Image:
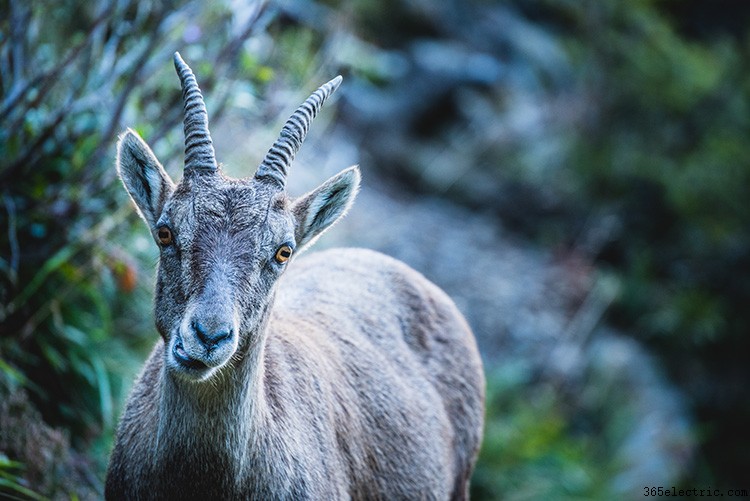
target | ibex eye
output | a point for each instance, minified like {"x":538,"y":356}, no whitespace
{"x":283,"y":254}
{"x":164,"y":235}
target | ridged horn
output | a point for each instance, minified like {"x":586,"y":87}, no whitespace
{"x":278,"y":159}
{"x":199,"y":149}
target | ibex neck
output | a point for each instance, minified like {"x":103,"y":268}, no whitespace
{"x":213,"y":421}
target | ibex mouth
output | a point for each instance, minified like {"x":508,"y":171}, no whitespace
{"x":185,"y":360}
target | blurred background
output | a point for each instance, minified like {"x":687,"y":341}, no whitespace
{"x":575,"y":174}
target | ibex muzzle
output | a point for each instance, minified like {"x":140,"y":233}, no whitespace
{"x":208,"y":335}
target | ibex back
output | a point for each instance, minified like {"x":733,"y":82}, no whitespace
{"x":343,"y":375}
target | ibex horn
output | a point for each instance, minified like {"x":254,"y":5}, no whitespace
{"x":274,"y":166}
{"x":199,"y":149}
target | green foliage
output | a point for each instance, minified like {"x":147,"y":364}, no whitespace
{"x":663,"y":148}
{"x":12,"y":482}
{"x":531,"y":449}
{"x":672,"y":162}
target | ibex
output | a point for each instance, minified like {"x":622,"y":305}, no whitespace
{"x":343,"y":375}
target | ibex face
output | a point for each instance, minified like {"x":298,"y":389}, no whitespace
{"x":223,"y":245}
{"x":223,"y":242}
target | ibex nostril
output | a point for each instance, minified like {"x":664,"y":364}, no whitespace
{"x":210,"y":336}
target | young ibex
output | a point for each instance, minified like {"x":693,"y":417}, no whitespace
{"x":342,"y":375}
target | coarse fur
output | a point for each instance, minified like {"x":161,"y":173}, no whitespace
{"x":341,"y":375}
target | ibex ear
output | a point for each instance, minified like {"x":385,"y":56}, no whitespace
{"x":316,"y":211}
{"x":145,"y":179}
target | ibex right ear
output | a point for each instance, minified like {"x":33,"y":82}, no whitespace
{"x":147,"y":182}
{"x":316,"y":211}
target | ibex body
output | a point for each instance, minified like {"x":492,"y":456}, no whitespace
{"x":347,"y":375}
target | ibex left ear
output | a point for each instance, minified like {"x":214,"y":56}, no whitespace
{"x":143,"y":176}
{"x":316,"y":211}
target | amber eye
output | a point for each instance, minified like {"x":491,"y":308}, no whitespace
{"x":164,"y":235}
{"x":283,"y":254}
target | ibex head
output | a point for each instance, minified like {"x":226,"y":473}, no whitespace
{"x":224,"y":242}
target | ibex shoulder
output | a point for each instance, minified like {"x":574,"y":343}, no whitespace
{"x":371,"y":293}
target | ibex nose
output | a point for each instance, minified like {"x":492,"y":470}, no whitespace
{"x":210,"y":334}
